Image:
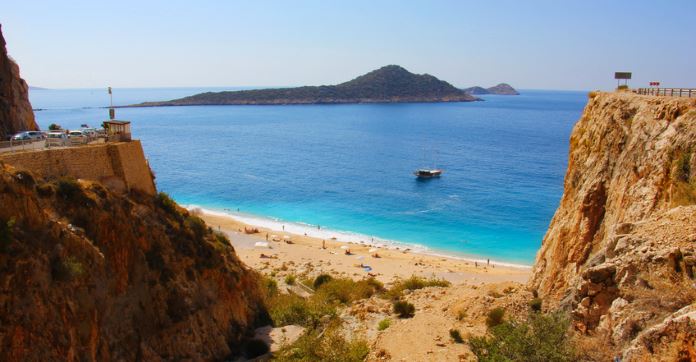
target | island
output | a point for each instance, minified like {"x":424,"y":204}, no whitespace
{"x":389,"y":84}
{"x":500,"y":89}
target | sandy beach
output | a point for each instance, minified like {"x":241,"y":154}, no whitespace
{"x":300,"y":254}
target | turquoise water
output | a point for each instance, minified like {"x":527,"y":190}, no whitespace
{"x":349,"y":167}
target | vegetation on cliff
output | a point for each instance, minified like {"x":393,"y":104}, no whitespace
{"x":620,"y":252}
{"x":88,"y":274}
{"x":389,"y":84}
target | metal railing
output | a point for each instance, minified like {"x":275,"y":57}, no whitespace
{"x":41,"y":144}
{"x":21,"y":145}
{"x":667,"y":92}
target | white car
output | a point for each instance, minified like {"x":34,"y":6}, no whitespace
{"x":77,"y":137}
{"x":58,"y":138}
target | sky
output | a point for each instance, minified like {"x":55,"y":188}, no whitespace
{"x":565,"y":45}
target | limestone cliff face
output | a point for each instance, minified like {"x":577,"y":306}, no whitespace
{"x":86,"y":274}
{"x":15,"y":110}
{"x":624,"y":235}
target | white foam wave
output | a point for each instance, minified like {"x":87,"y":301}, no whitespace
{"x":301,"y":228}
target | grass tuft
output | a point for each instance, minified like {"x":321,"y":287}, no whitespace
{"x":495,"y":317}
{"x":404,"y":309}
{"x":383,"y":324}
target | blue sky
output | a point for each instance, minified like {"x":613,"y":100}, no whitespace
{"x":529,"y":44}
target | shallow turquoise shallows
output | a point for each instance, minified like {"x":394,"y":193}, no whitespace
{"x":349,"y":168}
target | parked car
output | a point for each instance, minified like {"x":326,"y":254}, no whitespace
{"x":90,"y":132}
{"x":78,"y":137}
{"x":28,"y":135}
{"x":21,"y":136}
{"x":36,"y":135}
{"x":57,"y":138}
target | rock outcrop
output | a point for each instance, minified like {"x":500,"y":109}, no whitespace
{"x":620,"y":252}
{"x":500,"y":89}
{"x":503,"y":89}
{"x":15,"y":110}
{"x":86,"y":274}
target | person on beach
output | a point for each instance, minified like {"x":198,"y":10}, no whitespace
{"x":283,"y":227}
{"x":488,"y":261}
{"x":476,"y":264}
{"x":323,"y":244}
{"x":266,"y":236}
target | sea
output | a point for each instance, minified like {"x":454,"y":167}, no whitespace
{"x":346,"y":171}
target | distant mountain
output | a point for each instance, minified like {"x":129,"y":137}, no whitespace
{"x":500,"y":89}
{"x":389,"y":84}
{"x":36,"y":88}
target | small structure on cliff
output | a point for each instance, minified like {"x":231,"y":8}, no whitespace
{"x":117,"y":130}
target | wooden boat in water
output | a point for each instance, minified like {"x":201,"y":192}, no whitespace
{"x":427,"y":173}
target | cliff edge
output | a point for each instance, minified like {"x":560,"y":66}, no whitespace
{"x":87,"y":274}
{"x":15,"y":110}
{"x":620,"y":250}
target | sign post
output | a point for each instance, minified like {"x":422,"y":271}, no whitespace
{"x":622,"y":75}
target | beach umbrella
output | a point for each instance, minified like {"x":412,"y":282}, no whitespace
{"x":261,"y":244}
{"x":344,"y":247}
{"x":360,"y":257}
{"x":286,"y":237}
{"x":372,"y":250}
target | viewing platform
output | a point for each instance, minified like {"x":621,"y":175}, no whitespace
{"x":667,"y":92}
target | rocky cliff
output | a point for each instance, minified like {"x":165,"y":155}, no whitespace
{"x":86,"y":274}
{"x":15,"y":110}
{"x":620,"y":252}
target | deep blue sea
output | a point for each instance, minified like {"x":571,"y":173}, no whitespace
{"x":348,"y":168}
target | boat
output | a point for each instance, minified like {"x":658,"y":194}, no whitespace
{"x":427,"y":173}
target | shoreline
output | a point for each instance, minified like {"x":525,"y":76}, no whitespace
{"x":346,"y":237}
{"x":277,"y":252}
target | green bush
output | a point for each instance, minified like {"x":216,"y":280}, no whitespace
{"x":535,"y":304}
{"x":6,"y":232}
{"x":69,"y":189}
{"x":166,"y":203}
{"x":54,"y":127}
{"x":414,"y":283}
{"x":456,"y":336}
{"x":495,"y":317}
{"x":286,"y":309}
{"x":383,"y":324}
{"x":326,"y":346}
{"x":404,"y":309}
{"x":67,"y":269}
{"x":345,"y":290}
{"x":683,"y":169}
{"x":222,"y":239}
{"x":321,"y":279}
{"x":196,"y":225}
{"x":541,"y":338}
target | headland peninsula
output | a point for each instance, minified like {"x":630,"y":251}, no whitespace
{"x":389,"y":84}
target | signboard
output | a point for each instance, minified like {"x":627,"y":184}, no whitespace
{"x":654,"y":84}
{"x":622,"y":75}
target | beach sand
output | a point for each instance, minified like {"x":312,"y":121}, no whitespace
{"x":305,"y":255}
